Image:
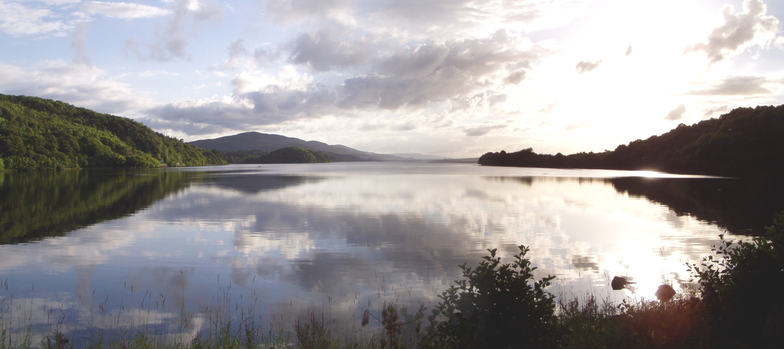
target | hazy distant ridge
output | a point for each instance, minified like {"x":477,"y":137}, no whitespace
{"x":743,"y":142}
{"x":255,"y":141}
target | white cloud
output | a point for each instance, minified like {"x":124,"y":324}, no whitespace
{"x":408,"y":78}
{"x":17,"y":20}
{"x":60,"y":2}
{"x":325,"y":50}
{"x":586,"y":66}
{"x":752,"y":27}
{"x":171,"y":42}
{"x":125,"y":10}
{"x":738,"y":86}
{"x":433,"y":18}
{"x":79,"y":84}
{"x":482,"y":130}
{"x":712,"y":112}
{"x":677,"y":113}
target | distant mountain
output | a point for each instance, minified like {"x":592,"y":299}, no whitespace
{"x":43,"y":133}
{"x":255,"y":141}
{"x":288,"y":155}
{"x":746,"y":142}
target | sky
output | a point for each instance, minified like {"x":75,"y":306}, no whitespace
{"x":448,"y":77}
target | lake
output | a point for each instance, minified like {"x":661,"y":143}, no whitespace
{"x":167,"y":252}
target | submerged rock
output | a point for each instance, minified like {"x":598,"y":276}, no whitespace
{"x":619,"y":282}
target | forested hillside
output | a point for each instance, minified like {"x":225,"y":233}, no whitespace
{"x":42,"y":133}
{"x":288,"y":155}
{"x":745,"y":142}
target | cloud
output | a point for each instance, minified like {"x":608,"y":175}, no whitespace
{"x":80,"y":84}
{"x":481,"y":130}
{"x":297,"y":8}
{"x":410,"y":77}
{"x":79,"y":43}
{"x":236,"y":51}
{"x":462,"y":18}
{"x":718,"y":110}
{"x":433,"y":72}
{"x":199,"y":118}
{"x":516,"y":77}
{"x":17,"y":20}
{"x":328,"y":49}
{"x":61,"y":16}
{"x":751,"y":27}
{"x":422,"y":19}
{"x":677,"y":113}
{"x":125,"y":10}
{"x":738,"y":86}
{"x":265,"y":55}
{"x":586,"y":66}
{"x":171,"y":43}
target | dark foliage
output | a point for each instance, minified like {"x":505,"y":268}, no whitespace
{"x":289,"y":155}
{"x":495,"y":306}
{"x":741,"y":286}
{"x":745,"y":142}
{"x":646,"y":324}
{"x":738,"y":305}
{"x":42,"y":133}
{"x":312,"y":333}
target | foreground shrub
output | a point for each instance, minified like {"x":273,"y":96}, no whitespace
{"x":495,"y":306}
{"x":742,"y":288}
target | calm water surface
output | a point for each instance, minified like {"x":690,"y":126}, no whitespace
{"x":168,"y":251}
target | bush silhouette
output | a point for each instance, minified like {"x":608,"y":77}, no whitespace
{"x":495,"y":305}
{"x":742,"y":289}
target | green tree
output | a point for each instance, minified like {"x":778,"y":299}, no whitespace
{"x":495,"y":305}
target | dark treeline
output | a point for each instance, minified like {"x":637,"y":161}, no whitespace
{"x":288,"y":155}
{"x":38,"y":205}
{"x":745,"y":142}
{"x":41,"y":133}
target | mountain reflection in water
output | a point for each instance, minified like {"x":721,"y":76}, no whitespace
{"x":168,"y":249}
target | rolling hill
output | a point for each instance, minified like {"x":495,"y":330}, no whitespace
{"x":43,"y":133}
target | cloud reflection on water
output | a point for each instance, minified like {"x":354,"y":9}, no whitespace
{"x":351,"y":239}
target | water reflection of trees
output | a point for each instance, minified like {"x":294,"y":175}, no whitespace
{"x":740,"y":206}
{"x":38,"y":205}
